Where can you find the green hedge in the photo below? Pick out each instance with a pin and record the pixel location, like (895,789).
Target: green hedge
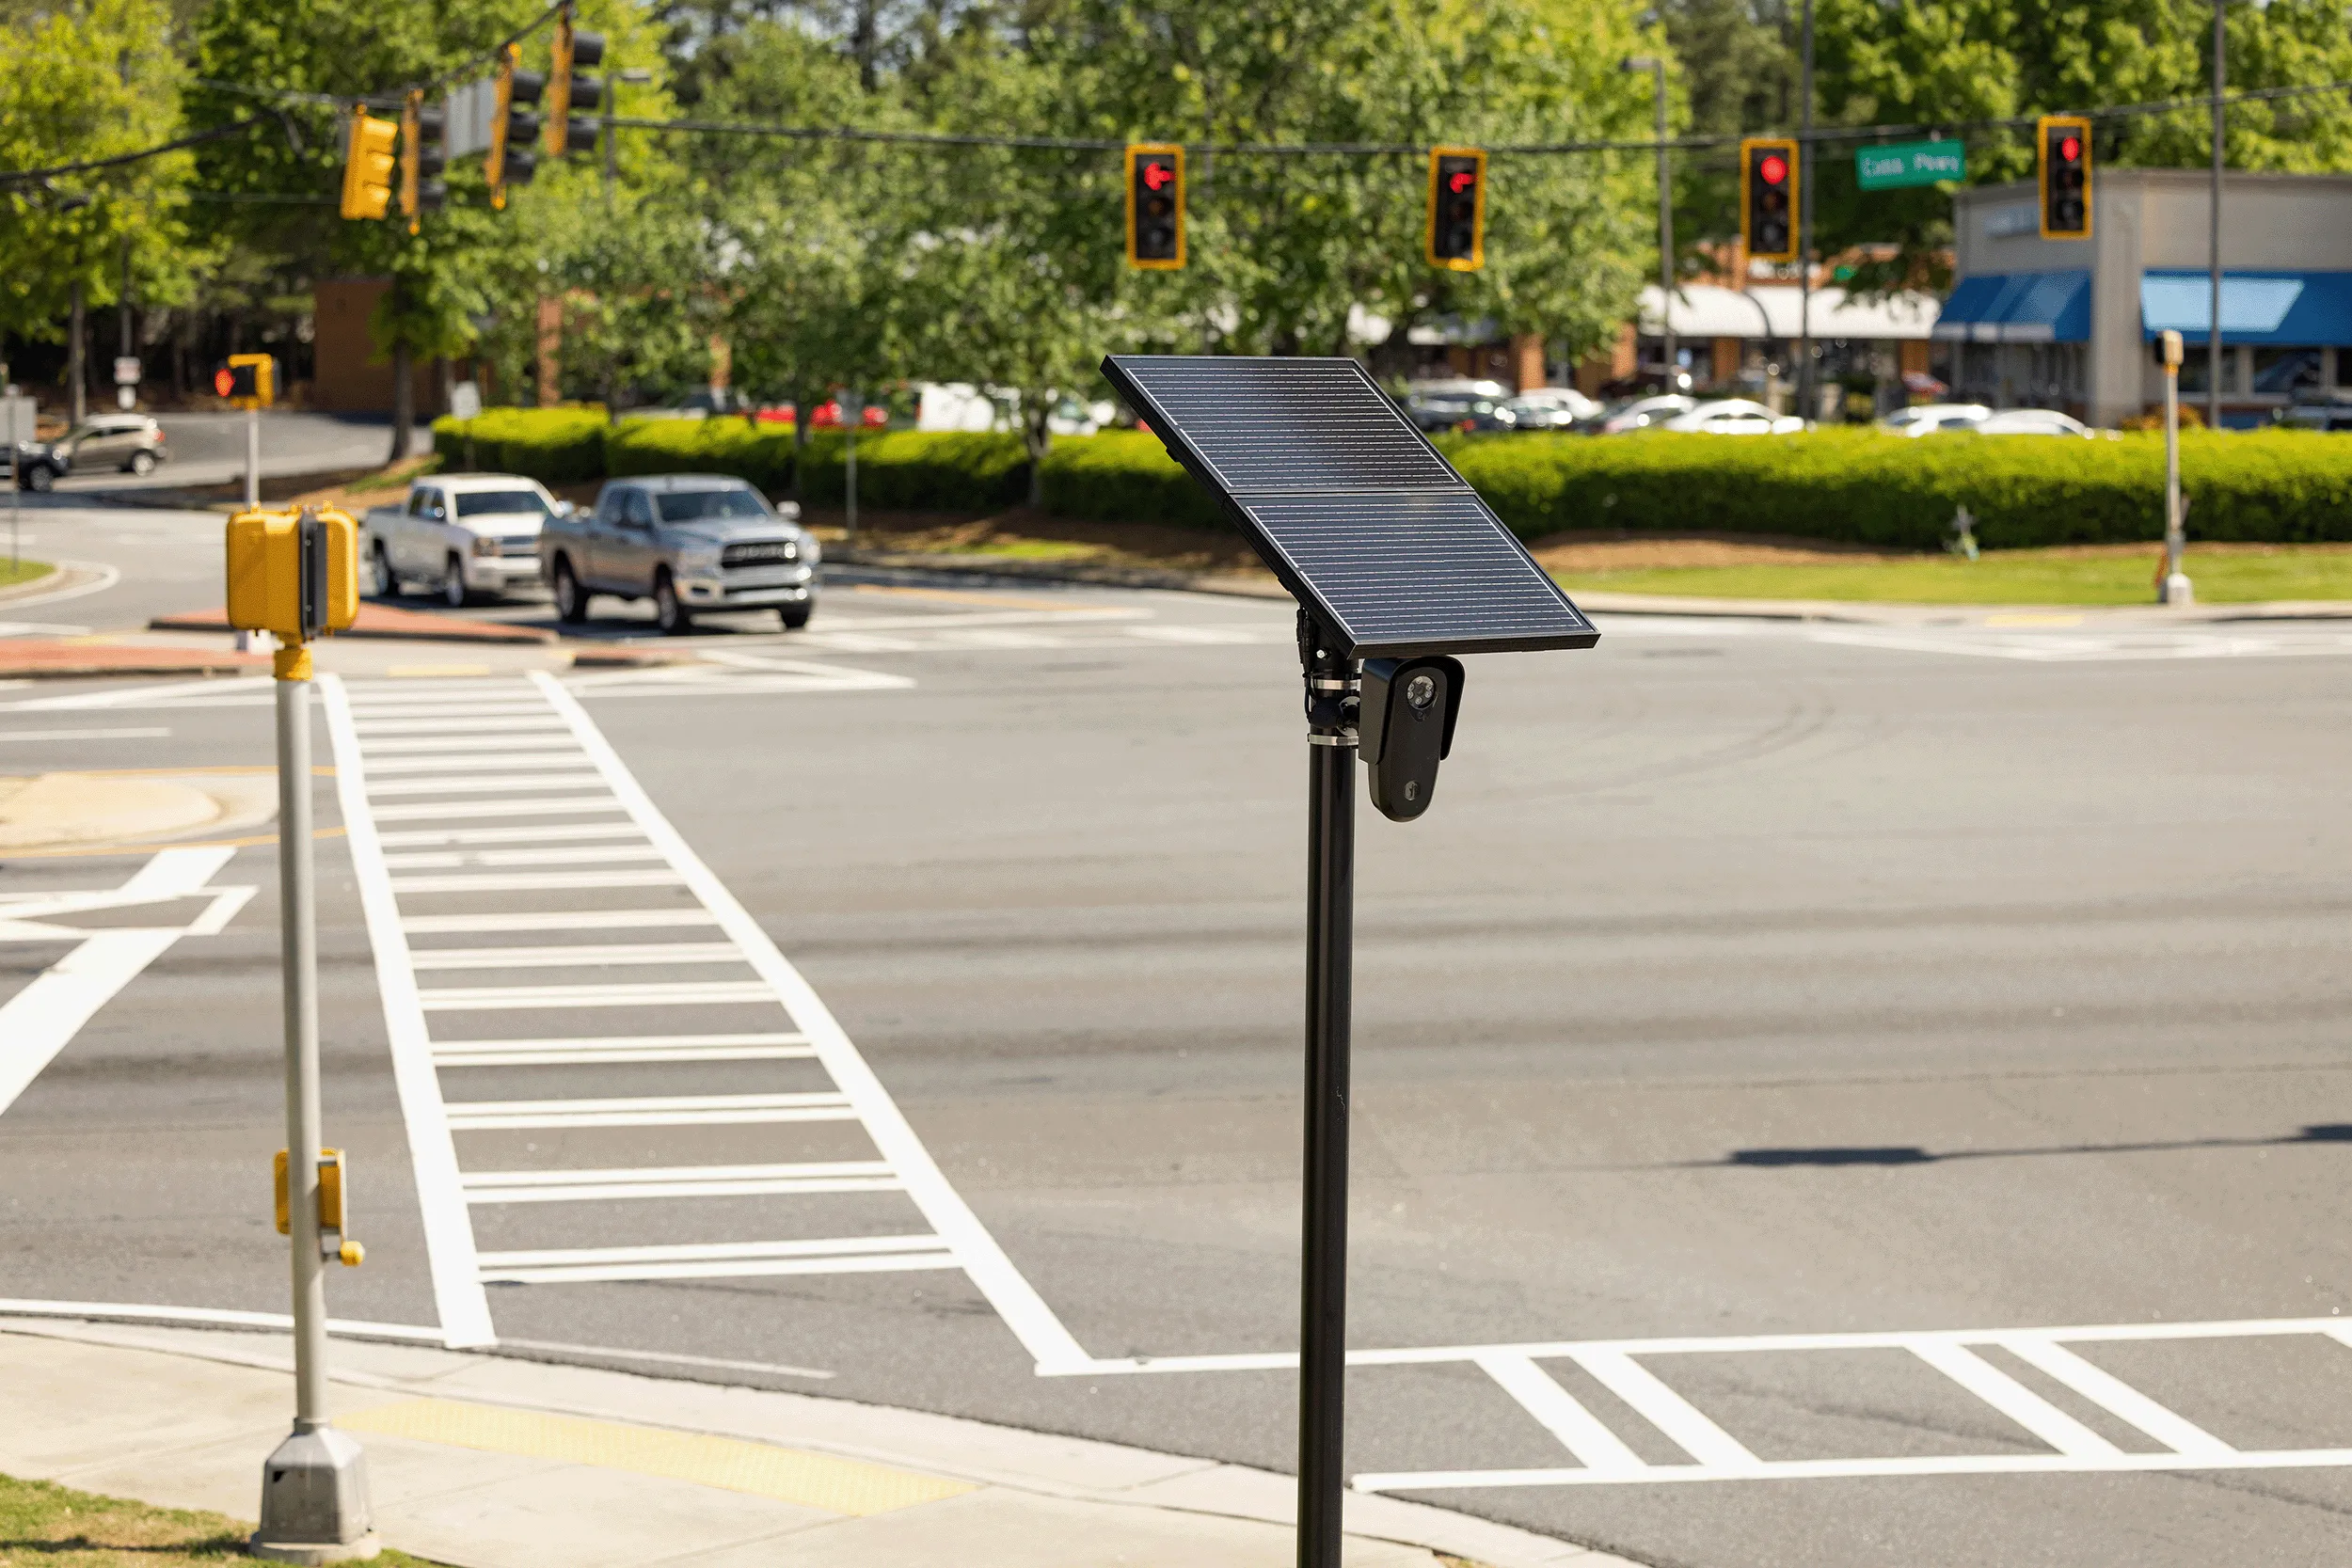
(1860,486)
(555,446)
(896,470)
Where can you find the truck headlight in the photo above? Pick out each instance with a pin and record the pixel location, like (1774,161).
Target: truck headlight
(809,553)
(484,544)
(699,557)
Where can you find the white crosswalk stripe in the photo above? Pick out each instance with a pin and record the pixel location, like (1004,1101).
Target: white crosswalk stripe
(521,821)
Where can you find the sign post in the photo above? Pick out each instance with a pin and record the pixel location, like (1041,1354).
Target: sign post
(2175,589)
(1333,488)
(852,406)
(297,574)
(1914,162)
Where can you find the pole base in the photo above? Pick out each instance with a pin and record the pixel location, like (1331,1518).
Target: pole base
(314,1500)
(2176,591)
(294,1551)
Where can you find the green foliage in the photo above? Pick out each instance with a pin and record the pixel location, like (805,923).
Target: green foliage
(920,472)
(555,446)
(1125,476)
(1852,486)
(76,83)
(760,453)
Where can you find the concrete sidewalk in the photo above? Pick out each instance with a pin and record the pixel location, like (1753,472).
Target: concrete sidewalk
(492,1461)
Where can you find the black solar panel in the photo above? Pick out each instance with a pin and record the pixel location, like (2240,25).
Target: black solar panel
(1351,506)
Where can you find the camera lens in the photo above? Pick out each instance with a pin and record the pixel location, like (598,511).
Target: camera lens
(1421,690)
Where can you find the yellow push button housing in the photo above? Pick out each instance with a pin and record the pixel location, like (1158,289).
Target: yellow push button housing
(293,573)
(331,1217)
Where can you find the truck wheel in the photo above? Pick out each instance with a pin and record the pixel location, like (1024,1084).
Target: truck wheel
(387,582)
(571,600)
(669,613)
(795,616)
(453,583)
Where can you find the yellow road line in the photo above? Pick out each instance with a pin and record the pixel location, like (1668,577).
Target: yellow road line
(847,1486)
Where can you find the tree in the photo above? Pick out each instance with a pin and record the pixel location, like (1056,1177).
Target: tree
(80,86)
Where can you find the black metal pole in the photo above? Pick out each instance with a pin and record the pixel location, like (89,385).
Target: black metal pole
(1332,687)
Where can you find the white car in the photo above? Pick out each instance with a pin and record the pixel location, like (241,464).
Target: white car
(1926,419)
(2029,422)
(1551,408)
(1646,413)
(1734,416)
(460,535)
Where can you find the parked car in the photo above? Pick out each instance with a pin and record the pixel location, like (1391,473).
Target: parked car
(459,534)
(133,443)
(1642,412)
(1551,408)
(1435,411)
(1734,416)
(688,543)
(2029,422)
(1926,419)
(2316,411)
(35,465)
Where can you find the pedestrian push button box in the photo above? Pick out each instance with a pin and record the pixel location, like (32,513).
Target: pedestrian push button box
(332,1220)
(293,573)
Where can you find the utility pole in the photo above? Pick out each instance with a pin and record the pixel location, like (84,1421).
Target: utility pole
(1657,67)
(77,400)
(1808,400)
(2213,326)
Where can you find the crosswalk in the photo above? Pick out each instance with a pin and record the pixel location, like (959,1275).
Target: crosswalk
(510,867)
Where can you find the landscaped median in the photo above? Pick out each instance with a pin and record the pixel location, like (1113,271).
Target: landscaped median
(1853,486)
(21,573)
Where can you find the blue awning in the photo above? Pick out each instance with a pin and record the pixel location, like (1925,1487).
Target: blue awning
(2308,309)
(2018,308)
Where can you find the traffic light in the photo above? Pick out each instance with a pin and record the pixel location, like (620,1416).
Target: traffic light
(2064,141)
(1155,206)
(512,130)
(247,380)
(1769,172)
(1458,209)
(567,91)
(368,165)
(421,190)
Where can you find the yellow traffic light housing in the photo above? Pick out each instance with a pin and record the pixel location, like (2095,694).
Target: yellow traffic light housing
(2062,154)
(1155,206)
(1456,236)
(368,163)
(1771,176)
(513,128)
(570,92)
(247,380)
(293,573)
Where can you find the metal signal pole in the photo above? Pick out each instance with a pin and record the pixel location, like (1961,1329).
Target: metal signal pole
(1808,397)
(1657,67)
(1333,685)
(2213,328)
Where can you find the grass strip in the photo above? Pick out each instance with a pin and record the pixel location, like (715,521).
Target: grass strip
(18,572)
(58,1528)
(2005,576)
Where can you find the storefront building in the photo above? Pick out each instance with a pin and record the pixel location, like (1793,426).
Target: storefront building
(2072,324)
(1744,343)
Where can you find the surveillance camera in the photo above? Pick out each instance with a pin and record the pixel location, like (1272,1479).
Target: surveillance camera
(1405,728)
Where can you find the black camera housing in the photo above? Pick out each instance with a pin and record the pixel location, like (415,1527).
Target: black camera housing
(1405,728)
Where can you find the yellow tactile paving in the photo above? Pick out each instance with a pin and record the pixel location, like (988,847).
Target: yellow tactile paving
(844,1486)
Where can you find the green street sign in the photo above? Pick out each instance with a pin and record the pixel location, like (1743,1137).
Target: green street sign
(1911,163)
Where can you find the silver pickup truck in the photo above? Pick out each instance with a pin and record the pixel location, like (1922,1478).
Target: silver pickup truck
(688,543)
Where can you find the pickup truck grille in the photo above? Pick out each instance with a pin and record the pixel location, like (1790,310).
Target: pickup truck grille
(760,552)
(527,545)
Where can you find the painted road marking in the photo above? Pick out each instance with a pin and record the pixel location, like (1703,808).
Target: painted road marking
(83,735)
(581,1050)
(681,1110)
(43,1017)
(791,1178)
(578,954)
(524,857)
(556,920)
(718,1260)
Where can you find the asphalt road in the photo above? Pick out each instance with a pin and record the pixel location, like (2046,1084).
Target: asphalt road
(1742,981)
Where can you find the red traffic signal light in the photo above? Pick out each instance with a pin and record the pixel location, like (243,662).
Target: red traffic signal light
(2063,145)
(1769,176)
(1155,206)
(224,382)
(1455,236)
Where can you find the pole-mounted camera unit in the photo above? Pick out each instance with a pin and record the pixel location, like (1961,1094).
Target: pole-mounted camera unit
(1398,567)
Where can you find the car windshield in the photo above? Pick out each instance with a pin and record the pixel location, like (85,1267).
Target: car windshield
(491,503)
(681,506)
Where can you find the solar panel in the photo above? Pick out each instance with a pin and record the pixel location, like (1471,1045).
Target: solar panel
(1349,506)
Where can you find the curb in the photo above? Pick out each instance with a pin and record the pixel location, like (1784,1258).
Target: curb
(1042,1481)
(50,658)
(1882,613)
(45,583)
(380,621)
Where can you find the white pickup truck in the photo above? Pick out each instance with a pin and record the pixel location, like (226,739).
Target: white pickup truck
(459,535)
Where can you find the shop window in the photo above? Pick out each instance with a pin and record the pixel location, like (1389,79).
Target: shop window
(2284,372)
(2344,366)
(2193,368)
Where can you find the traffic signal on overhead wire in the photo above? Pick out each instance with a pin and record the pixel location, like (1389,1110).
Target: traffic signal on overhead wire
(1769,172)
(1456,229)
(1155,206)
(569,92)
(421,189)
(513,128)
(368,165)
(2064,144)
